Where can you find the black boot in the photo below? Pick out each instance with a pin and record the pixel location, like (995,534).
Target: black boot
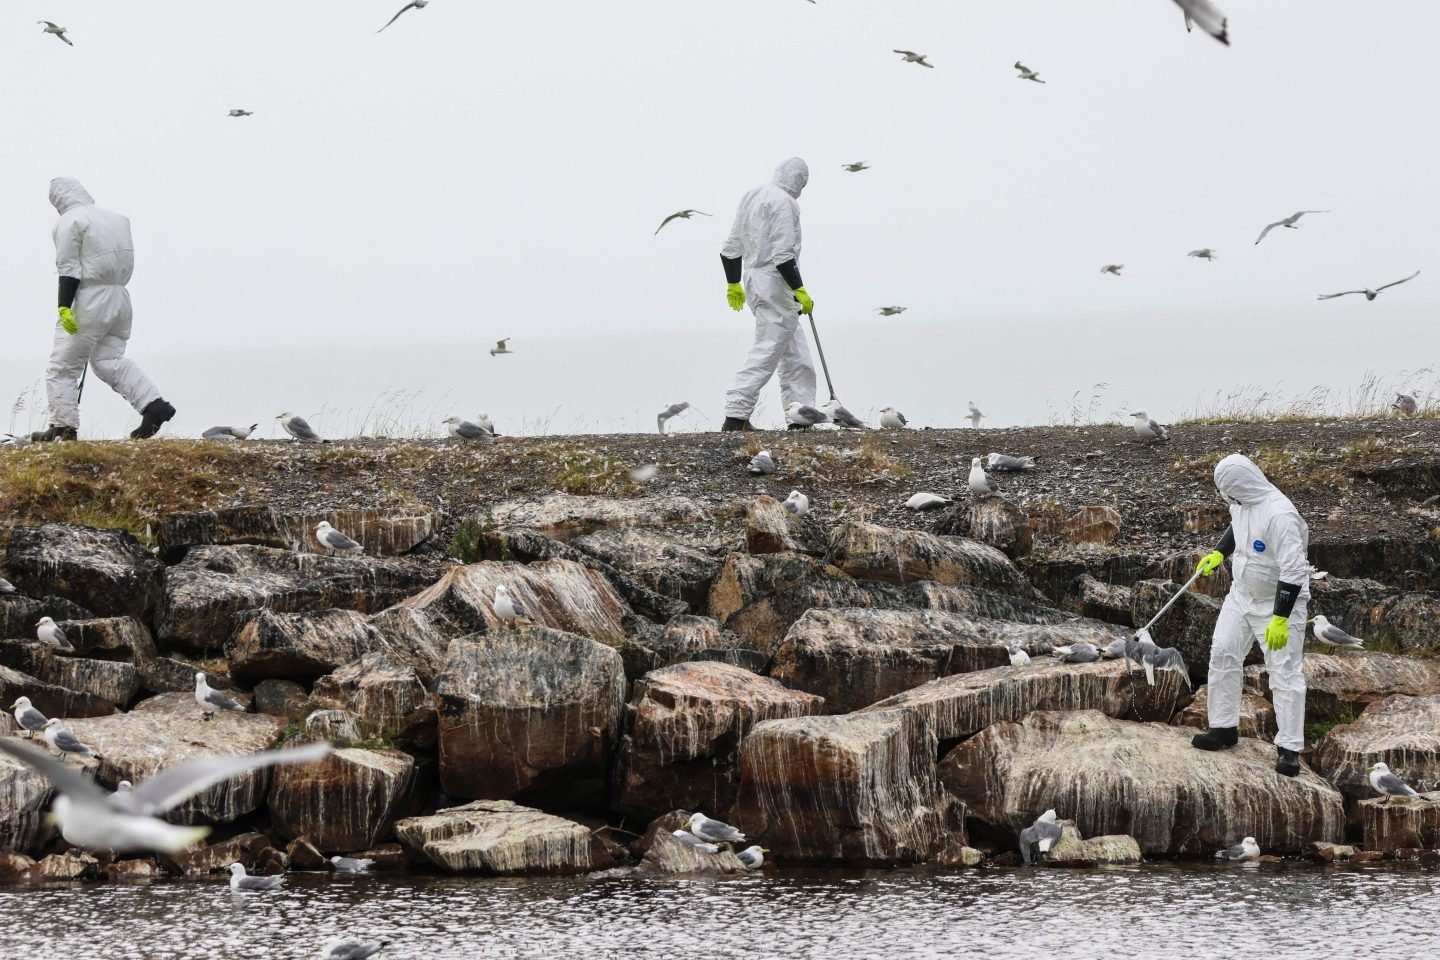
(1287,762)
(798,426)
(735,425)
(55,433)
(152,418)
(1216,738)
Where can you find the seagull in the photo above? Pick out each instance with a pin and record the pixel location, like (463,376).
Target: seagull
(483,421)
(975,416)
(1147,429)
(505,606)
(1404,404)
(1290,222)
(685,836)
(909,56)
(716,831)
(242,113)
(840,416)
(335,541)
(1205,13)
(980,483)
(297,427)
(57,30)
(1026,73)
(855,167)
(6,586)
(63,741)
(1113,268)
(890,311)
(1008,464)
(1018,657)
(500,348)
(351,949)
(926,501)
(124,786)
(412,5)
(229,433)
(52,635)
(1154,658)
(465,430)
(1115,649)
(1077,653)
(211,700)
(892,419)
(1246,849)
(1043,833)
(129,821)
(679,215)
(1332,636)
(804,415)
(753,857)
(797,503)
(674,410)
(1204,253)
(1382,781)
(762,463)
(352,864)
(1369,294)
(239,880)
(32,721)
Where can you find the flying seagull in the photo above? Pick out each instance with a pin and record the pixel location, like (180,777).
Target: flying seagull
(1369,294)
(1332,636)
(242,113)
(239,880)
(1147,429)
(890,311)
(1113,268)
(680,215)
(1003,463)
(1246,849)
(1205,13)
(335,541)
(1405,404)
(975,415)
(465,430)
(229,433)
(352,864)
(298,428)
(910,56)
(804,415)
(685,836)
(980,483)
(892,419)
(32,721)
(51,635)
(1204,253)
(669,413)
(505,607)
(1382,781)
(1026,73)
(1291,223)
(352,949)
(762,463)
(855,167)
(128,820)
(57,30)
(840,416)
(716,831)
(1043,834)
(753,857)
(797,503)
(211,700)
(500,347)
(62,741)
(412,5)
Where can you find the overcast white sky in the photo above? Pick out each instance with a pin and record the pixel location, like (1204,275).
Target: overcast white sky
(483,170)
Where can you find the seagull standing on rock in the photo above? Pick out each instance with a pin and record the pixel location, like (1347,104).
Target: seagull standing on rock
(1018,657)
(1147,429)
(298,428)
(62,741)
(753,857)
(715,831)
(335,541)
(51,635)
(1246,849)
(892,419)
(32,721)
(840,416)
(211,700)
(465,430)
(1332,636)
(506,609)
(1382,781)
(797,503)
(980,483)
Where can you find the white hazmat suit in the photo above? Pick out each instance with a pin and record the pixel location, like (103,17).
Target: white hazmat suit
(766,234)
(93,245)
(1271,547)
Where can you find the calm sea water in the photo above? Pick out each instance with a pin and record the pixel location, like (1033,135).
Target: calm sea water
(1251,911)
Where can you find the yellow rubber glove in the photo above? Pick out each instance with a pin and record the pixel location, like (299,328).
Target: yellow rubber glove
(67,320)
(806,304)
(1277,634)
(735,295)
(1209,563)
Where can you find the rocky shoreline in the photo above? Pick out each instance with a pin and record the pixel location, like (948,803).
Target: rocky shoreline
(838,686)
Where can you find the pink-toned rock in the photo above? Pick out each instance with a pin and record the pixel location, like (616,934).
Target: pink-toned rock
(1093,524)
(1401,823)
(390,701)
(872,552)
(1257,716)
(770,528)
(501,837)
(1401,732)
(344,802)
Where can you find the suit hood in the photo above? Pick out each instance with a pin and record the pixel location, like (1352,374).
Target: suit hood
(1241,481)
(791,176)
(66,193)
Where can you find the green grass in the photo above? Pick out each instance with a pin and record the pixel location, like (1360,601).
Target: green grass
(1316,730)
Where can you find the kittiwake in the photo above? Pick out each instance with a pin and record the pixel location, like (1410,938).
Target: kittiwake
(51,635)
(797,503)
(211,700)
(1382,781)
(716,831)
(1332,636)
(892,419)
(240,880)
(980,483)
(762,463)
(1246,849)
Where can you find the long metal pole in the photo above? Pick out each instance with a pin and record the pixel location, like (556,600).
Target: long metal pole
(1171,602)
(821,350)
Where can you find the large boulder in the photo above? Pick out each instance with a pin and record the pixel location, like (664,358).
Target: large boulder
(346,801)
(558,594)
(382,531)
(1097,524)
(1401,732)
(1110,602)
(563,516)
(980,603)
(683,732)
(167,730)
(1348,682)
(106,571)
(1408,824)
(108,680)
(684,639)
(1413,620)
(995,521)
(962,705)
(858,789)
(246,848)
(24,796)
(51,699)
(501,837)
(664,563)
(1257,715)
(763,624)
(770,528)
(872,552)
(390,700)
(745,579)
(854,658)
(664,854)
(19,614)
(533,713)
(212,584)
(301,646)
(1141,779)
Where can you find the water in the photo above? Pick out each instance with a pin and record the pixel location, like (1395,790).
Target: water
(1161,911)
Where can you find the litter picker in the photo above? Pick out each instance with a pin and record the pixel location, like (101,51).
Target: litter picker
(821,350)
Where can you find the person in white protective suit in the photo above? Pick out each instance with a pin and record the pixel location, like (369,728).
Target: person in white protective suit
(1267,542)
(95,257)
(765,242)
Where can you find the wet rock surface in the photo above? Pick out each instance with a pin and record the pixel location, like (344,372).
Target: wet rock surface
(383,532)
(390,700)
(501,837)
(106,571)
(871,552)
(770,528)
(24,798)
(1257,715)
(664,563)
(1401,732)
(346,801)
(1351,681)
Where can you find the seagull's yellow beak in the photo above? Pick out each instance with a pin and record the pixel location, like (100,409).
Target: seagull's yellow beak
(51,820)
(1311,620)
